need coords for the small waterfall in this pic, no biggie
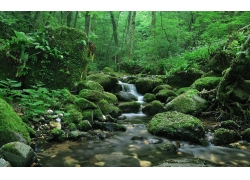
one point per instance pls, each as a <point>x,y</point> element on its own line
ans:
<point>131,89</point>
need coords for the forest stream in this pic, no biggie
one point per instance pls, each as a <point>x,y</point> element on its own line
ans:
<point>138,148</point>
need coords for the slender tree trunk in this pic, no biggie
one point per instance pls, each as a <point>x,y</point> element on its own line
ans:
<point>69,15</point>
<point>165,32</point>
<point>35,22</point>
<point>126,31</point>
<point>87,23</point>
<point>114,25</point>
<point>132,34</point>
<point>153,23</point>
<point>51,13</point>
<point>76,17</point>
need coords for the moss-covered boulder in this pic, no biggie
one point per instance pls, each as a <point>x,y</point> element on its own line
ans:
<point>168,146</point>
<point>246,134</point>
<point>85,125</point>
<point>126,96</point>
<point>87,84</point>
<point>188,103</point>
<point>207,83</point>
<point>108,108</point>
<point>230,124</point>
<point>108,70</point>
<point>153,108</point>
<point>91,115</point>
<point>176,125</point>
<point>182,90</point>
<point>147,84</point>
<point>224,136</point>
<point>149,97</point>
<point>58,134</point>
<point>18,154</point>
<point>219,62</point>
<point>239,95</point>
<point>12,128</point>
<point>91,95</point>
<point>82,104</point>
<point>130,107</point>
<point>74,116</point>
<point>164,94</point>
<point>109,97</point>
<point>108,82</point>
<point>161,87</point>
<point>184,78</point>
<point>128,79</point>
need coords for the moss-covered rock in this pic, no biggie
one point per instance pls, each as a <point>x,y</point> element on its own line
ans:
<point>18,154</point>
<point>130,107</point>
<point>246,134</point>
<point>147,84</point>
<point>164,94</point>
<point>85,125</point>
<point>224,136</point>
<point>230,124</point>
<point>148,97</point>
<point>87,84</point>
<point>238,95</point>
<point>207,83</point>
<point>58,134</point>
<point>91,95</point>
<point>73,116</point>
<point>176,125</point>
<point>184,78</point>
<point>108,108</point>
<point>161,87</point>
<point>168,146</point>
<point>153,108</point>
<point>182,90</point>
<point>109,97</point>
<point>108,82</point>
<point>126,96</point>
<point>12,128</point>
<point>82,104</point>
<point>107,70</point>
<point>187,103</point>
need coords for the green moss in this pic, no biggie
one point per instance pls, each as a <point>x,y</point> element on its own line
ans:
<point>74,116</point>
<point>108,108</point>
<point>230,124</point>
<point>91,95</point>
<point>107,70</point>
<point>70,99</point>
<point>82,103</point>
<point>153,108</point>
<point>72,126</point>
<point>10,122</point>
<point>182,90</point>
<point>161,87</point>
<point>110,98</point>
<point>88,114</point>
<point>84,126</point>
<point>88,84</point>
<point>207,83</point>
<point>144,85</point>
<point>108,82</point>
<point>58,134</point>
<point>130,107</point>
<point>246,134</point>
<point>176,125</point>
<point>187,103</point>
<point>148,97</point>
<point>164,94</point>
<point>224,136</point>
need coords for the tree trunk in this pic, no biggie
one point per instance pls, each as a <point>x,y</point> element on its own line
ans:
<point>69,15</point>
<point>132,34</point>
<point>87,23</point>
<point>35,22</point>
<point>76,16</point>
<point>153,23</point>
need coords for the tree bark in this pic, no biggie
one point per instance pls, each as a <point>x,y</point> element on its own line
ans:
<point>76,17</point>
<point>132,33</point>
<point>87,23</point>
<point>69,15</point>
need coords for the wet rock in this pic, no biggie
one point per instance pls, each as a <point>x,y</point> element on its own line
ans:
<point>153,108</point>
<point>140,138</point>
<point>108,126</point>
<point>4,163</point>
<point>122,117</point>
<point>148,97</point>
<point>110,118</point>
<point>126,96</point>
<point>176,125</point>
<point>229,124</point>
<point>154,141</point>
<point>246,134</point>
<point>130,107</point>
<point>55,124</point>
<point>188,103</point>
<point>168,146</point>
<point>18,154</point>
<point>224,136</point>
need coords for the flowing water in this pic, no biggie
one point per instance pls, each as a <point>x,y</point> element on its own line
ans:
<point>120,150</point>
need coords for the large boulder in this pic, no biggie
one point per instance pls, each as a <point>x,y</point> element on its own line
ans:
<point>108,108</point>
<point>148,97</point>
<point>130,107</point>
<point>12,128</point>
<point>176,125</point>
<point>224,136</point>
<point>108,82</point>
<point>188,103</point>
<point>164,94</point>
<point>207,83</point>
<point>146,85</point>
<point>126,96</point>
<point>153,108</point>
<point>18,154</point>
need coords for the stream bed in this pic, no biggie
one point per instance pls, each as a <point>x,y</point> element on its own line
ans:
<point>121,151</point>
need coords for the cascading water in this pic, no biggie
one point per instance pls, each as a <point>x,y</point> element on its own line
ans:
<point>131,88</point>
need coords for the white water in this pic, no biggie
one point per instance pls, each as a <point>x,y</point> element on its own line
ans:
<point>131,88</point>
